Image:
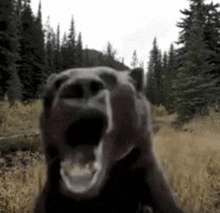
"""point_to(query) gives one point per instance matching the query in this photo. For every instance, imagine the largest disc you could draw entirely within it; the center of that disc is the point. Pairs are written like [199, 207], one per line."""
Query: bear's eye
[109, 79]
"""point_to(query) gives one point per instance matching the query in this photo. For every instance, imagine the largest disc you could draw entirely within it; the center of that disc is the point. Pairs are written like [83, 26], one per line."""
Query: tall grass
[191, 160]
[20, 186]
[19, 116]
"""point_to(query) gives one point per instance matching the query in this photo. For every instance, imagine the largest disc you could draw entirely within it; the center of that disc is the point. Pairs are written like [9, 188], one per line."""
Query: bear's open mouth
[87, 130]
[80, 171]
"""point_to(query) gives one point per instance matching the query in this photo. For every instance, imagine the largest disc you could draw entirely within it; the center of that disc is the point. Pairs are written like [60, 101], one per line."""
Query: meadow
[189, 156]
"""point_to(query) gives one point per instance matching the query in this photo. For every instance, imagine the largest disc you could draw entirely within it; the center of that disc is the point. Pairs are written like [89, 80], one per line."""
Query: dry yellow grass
[19, 116]
[190, 159]
[20, 187]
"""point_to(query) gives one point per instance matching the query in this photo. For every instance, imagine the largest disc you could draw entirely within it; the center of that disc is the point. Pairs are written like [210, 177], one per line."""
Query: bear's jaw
[80, 178]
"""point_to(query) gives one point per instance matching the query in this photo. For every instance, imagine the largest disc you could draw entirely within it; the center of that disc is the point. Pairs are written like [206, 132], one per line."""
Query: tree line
[186, 80]
[30, 52]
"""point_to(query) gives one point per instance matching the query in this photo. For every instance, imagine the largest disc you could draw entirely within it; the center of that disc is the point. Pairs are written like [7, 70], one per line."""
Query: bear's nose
[83, 88]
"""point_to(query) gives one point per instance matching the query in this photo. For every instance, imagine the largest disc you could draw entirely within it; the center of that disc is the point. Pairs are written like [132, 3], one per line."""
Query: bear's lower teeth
[76, 171]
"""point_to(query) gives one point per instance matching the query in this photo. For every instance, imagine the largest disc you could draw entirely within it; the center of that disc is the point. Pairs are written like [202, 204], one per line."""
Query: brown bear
[98, 144]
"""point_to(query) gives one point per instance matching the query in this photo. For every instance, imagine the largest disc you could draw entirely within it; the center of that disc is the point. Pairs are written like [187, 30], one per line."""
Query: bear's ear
[51, 78]
[138, 77]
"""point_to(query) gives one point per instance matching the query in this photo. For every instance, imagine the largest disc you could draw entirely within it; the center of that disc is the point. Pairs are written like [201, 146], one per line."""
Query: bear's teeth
[77, 171]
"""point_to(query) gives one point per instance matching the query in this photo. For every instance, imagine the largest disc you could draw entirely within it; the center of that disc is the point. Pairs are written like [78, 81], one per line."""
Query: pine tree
[134, 62]
[50, 48]
[29, 52]
[164, 64]
[14, 87]
[195, 87]
[71, 47]
[169, 76]
[64, 52]
[109, 54]
[58, 62]
[9, 47]
[197, 80]
[39, 76]
[165, 61]
[212, 35]
[171, 60]
[5, 13]
[154, 76]
[79, 51]
[209, 18]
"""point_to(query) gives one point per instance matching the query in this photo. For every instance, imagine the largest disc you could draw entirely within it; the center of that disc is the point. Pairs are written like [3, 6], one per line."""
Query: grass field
[190, 158]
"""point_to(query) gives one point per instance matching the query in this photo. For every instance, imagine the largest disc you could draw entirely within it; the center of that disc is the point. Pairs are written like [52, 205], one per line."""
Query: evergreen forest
[30, 52]
[186, 80]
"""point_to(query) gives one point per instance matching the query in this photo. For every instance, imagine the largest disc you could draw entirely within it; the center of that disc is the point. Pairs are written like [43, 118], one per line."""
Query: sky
[127, 24]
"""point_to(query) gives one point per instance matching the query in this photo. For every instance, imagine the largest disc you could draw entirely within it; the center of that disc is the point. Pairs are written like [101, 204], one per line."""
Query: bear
[97, 136]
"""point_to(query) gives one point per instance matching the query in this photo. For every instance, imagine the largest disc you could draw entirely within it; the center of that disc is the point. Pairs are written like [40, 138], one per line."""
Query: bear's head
[92, 118]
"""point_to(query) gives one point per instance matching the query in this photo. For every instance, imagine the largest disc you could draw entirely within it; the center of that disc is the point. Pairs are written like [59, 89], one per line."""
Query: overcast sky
[127, 24]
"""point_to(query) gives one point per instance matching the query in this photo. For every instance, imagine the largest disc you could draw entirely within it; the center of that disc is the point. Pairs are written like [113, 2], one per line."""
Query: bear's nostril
[58, 83]
[95, 87]
[73, 91]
